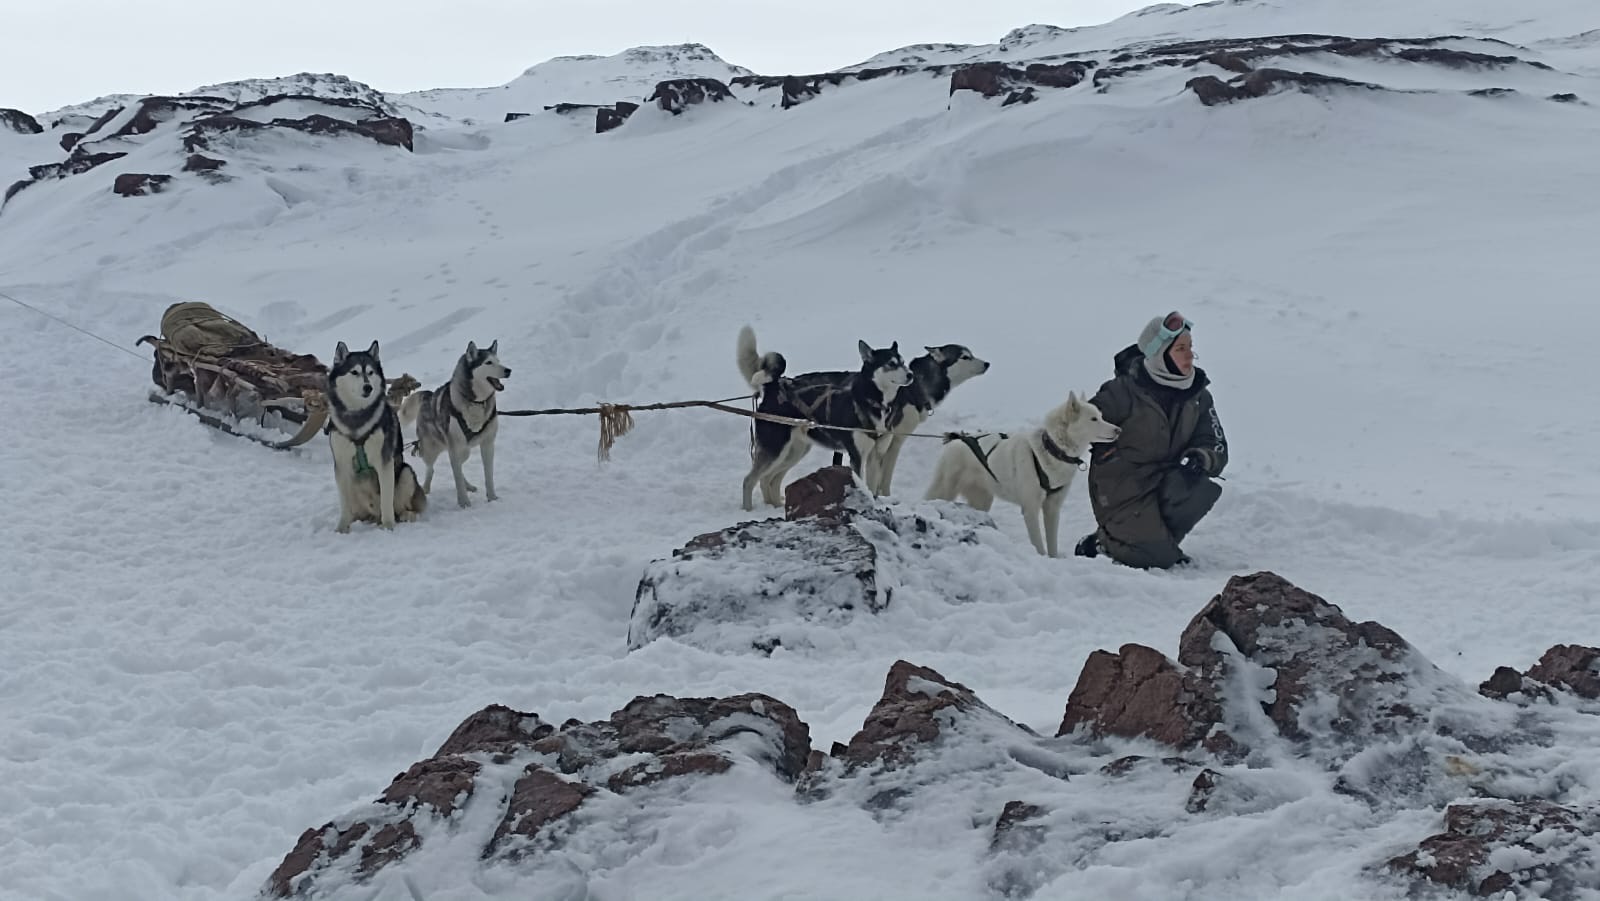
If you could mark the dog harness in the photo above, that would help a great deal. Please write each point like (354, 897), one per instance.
(461, 420)
(1050, 447)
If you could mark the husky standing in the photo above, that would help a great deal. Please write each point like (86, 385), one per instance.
(375, 482)
(933, 376)
(460, 415)
(1031, 470)
(847, 400)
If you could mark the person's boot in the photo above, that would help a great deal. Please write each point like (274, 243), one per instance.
(1089, 546)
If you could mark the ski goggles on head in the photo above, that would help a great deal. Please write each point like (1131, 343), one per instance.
(1171, 327)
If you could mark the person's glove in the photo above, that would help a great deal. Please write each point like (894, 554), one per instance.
(1193, 463)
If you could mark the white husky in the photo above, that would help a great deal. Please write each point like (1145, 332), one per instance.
(1032, 470)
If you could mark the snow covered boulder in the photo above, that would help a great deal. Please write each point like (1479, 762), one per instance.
(678, 94)
(18, 121)
(770, 583)
(506, 785)
(1497, 848)
(924, 730)
(1263, 662)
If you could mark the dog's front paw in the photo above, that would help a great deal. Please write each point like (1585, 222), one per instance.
(343, 528)
(464, 501)
(491, 497)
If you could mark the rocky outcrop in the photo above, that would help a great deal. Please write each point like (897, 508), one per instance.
(1139, 693)
(994, 79)
(135, 184)
(607, 118)
(1496, 848)
(1573, 669)
(797, 89)
(78, 162)
(1261, 82)
(535, 777)
(767, 584)
(18, 121)
(392, 131)
(678, 94)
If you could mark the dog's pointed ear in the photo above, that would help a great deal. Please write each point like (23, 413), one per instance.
(937, 353)
(472, 348)
(340, 352)
(373, 350)
(1074, 402)
(894, 348)
(494, 348)
(866, 352)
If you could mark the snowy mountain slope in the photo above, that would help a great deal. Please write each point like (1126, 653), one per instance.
(629, 75)
(198, 670)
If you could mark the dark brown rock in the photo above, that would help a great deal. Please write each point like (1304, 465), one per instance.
(1222, 59)
(992, 79)
(390, 130)
(200, 163)
(539, 798)
(608, 117)
(797, 89)
(678, 94)
(70, 140)
(906, 716)
(18, 121)
(1319, 655)
(135, 184)
(441, 782)
(1570, 667)
(822, 494)
(1261, 82)
(1139, 693)
(512, 117)
(1541, 835)
(682, 737)
(1011, 833)
(1563, 98)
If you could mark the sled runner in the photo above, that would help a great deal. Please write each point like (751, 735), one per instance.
(224, 373)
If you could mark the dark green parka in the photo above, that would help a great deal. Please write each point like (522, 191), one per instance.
(1145, 505)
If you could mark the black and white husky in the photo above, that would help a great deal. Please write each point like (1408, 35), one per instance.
(858, 400)
(375, 482)
(933, 376)
(460, 415)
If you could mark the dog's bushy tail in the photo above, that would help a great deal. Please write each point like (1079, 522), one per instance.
(757, 368)
(412, 405)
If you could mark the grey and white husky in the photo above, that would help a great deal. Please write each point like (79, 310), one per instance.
(857, 403)
(460, 415)
(375, 482)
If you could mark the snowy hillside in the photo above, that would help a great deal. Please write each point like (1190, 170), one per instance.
(1379, 217)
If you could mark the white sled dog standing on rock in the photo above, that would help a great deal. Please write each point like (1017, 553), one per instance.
(460, 415)
(375, 482)
(1032, 470)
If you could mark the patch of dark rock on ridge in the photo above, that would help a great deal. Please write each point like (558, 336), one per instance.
(1261, 82)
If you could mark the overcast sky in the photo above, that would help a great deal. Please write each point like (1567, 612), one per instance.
(58, 54)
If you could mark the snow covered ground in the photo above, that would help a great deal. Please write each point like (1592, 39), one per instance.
(1392, 293)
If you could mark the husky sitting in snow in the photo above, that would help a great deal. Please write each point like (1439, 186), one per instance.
(460, 415)
(1032, 470)
(375, 482)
